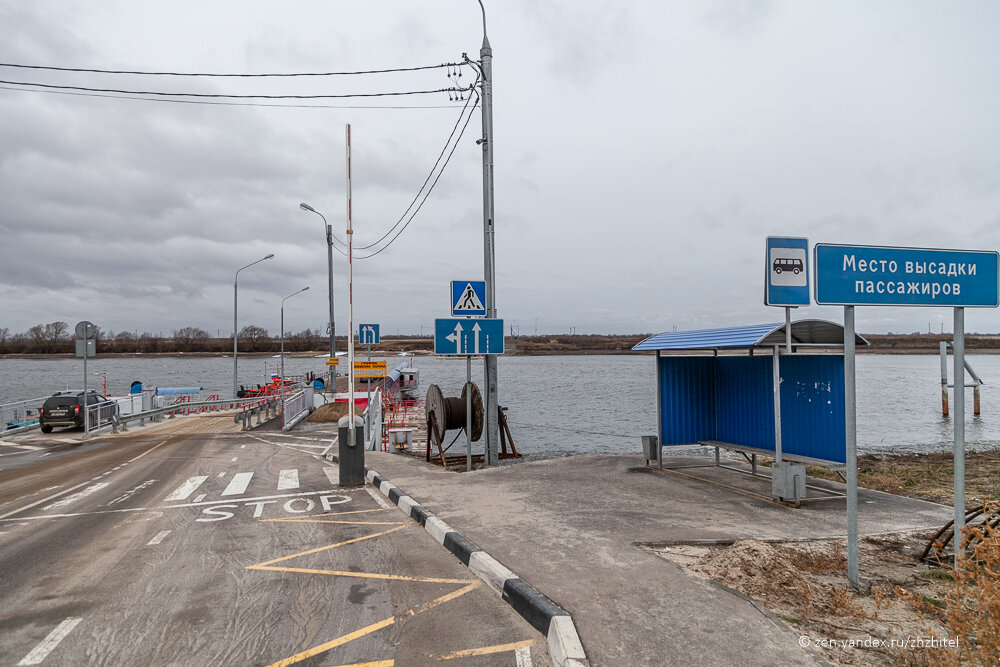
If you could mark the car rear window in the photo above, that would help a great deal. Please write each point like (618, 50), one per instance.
(61, 402)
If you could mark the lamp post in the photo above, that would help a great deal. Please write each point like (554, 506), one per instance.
(235, 330)
(329, 277)
(283, 333)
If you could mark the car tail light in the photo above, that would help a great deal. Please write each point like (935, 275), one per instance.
(76, 409)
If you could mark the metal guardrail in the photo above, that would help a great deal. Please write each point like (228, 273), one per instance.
(252, 407)
(293, 406)
(373, 421)
(14, 417)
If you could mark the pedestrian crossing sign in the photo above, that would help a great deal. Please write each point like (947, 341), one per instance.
(468, 298)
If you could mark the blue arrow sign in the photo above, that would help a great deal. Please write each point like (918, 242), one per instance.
(461, 337)
(853, 275)
(468, 298)
(368, 334)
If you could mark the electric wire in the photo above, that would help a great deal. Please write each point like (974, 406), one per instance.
(230, 75)
(429, 174)
(230, 104)
(429, 190)
(161, 93)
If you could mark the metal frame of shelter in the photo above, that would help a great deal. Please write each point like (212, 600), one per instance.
(727, 389)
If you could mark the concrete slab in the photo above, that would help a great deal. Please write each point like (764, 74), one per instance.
(570, 528)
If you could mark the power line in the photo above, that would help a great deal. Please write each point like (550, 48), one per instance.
(233, 75)
(429, 174)
(429, 190)
(230, 104)
(228, 96)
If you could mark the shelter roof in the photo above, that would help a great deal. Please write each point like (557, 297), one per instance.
(804, 332)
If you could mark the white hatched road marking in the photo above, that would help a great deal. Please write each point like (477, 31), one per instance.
(523, 656)
(288, 479)
(378, 498)
(68, 500)
(132, 492)
(332, 474)
(234, 459)
(238, 484)
(39, 653)
(158, 538)
(186, 489)
(200, 497)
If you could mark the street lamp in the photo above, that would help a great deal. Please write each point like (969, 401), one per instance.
(329, 274)
(235, 330)
(283, 332)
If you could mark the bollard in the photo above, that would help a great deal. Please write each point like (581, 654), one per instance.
(944, 400)
(352, 459)
(975, 400)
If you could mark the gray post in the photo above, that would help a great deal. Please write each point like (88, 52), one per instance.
(86, 403)
(851, 433)
(788, 330)
(282, 372)
(468, 414)
(329, 280)
(490, 360)
(944, 378)
(235, 301)
(958, 347)
(776, 388)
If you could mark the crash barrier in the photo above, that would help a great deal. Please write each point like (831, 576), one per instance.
(295, 407)
(373, 421)
(263, 409)
(20, 415)
(121, 422)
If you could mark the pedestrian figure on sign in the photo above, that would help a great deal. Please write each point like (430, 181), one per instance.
(469, 299)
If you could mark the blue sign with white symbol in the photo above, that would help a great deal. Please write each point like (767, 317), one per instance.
(368, 334)
(468, 298)
(787, 277)
(463, 337)
(850, 275)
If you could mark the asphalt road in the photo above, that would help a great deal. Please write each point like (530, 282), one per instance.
(227, 549)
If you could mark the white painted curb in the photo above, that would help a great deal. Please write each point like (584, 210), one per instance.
(564, 643)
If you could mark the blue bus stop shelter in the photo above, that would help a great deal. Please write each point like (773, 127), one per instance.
(758, 390)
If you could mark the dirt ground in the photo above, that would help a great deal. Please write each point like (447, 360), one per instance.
(906, 611)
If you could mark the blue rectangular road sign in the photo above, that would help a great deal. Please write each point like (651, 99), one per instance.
(786, 282)
(368, 334)
(468, 298)
(851, 275)
(464, 337)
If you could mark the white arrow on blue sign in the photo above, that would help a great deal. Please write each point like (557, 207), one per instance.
(461, 337)
(368, 334)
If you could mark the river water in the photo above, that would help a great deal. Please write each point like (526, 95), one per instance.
(560, 405)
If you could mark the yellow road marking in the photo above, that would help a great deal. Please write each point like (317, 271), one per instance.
(486, 650)
(377, 663)
(359, 575)
(314, 516)
(351, 636)
(329, 546)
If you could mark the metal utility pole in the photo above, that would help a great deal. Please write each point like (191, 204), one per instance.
(350, 299)
(489, 273)
(236, 286)
(329, 280)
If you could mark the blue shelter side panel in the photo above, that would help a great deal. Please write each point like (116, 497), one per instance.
(687, 399)
(812, 407)
(745, 394)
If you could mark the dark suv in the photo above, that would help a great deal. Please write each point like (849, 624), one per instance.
(66, 408)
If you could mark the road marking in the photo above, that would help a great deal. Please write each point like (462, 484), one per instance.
(329, 494)
(288, 479)
(186, 489)
(39, 653)
(374, 663)
(158, 538)
(234, 459)
(45, 454)
(243, 446)
(486, 650)
(523, 657)
(265, 564)
(93, 488)
(221, 474)
(129, 494)
(378, 498)
(238, 484)
(332, 474)
(200, 497)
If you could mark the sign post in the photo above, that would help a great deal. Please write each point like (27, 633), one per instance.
(851, 276)
(85, 330)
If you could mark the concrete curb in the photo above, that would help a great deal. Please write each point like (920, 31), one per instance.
(542, 613)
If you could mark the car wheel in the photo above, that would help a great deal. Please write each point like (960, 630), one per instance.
(46, 429)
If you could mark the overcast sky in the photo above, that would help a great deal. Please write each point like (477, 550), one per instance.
(643, 152)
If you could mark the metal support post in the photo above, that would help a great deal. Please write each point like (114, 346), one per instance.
(350, 297)
(788, 329)
(86, 402)
(490, 360)
(851, 433)
(468, 414)
(776, 388)
(958, 348)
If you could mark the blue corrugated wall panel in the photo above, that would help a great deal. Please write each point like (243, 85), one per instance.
(745, 401)
(687, 399)
(812, 406)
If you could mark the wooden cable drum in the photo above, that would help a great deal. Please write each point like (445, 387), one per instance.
(446, 413)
